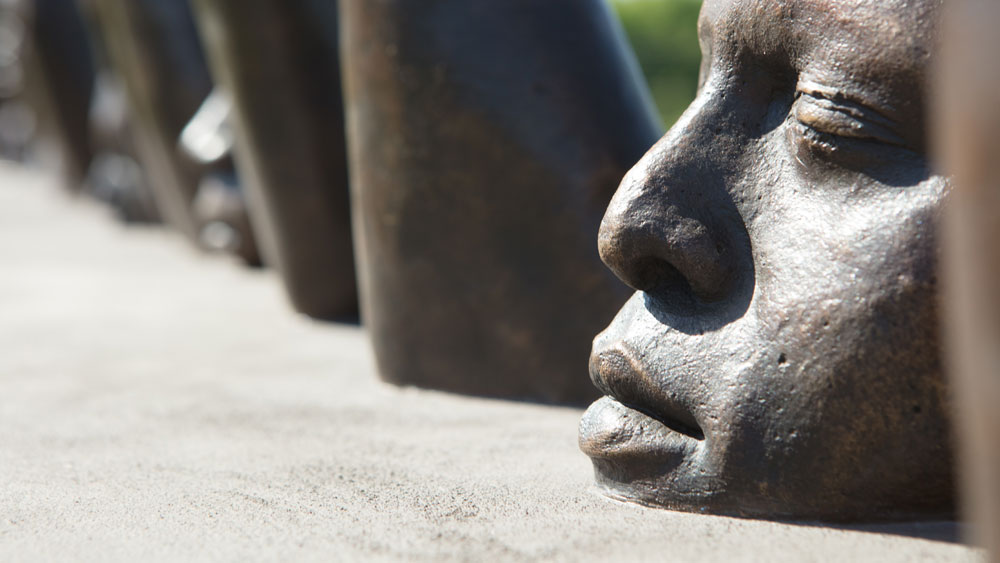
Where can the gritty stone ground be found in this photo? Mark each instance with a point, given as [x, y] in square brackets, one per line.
[163, 405]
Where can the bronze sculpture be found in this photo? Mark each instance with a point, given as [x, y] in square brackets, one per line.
[780, 357]
[154, 48]
[278, 60]
[17, 117]
[60, 82]
[485, 140]
[219, 207]
[115, 176]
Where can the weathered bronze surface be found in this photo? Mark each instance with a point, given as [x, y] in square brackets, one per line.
[278, 61]
[486, 139]
[781, 355]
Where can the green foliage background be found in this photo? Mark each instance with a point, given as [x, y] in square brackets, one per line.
[664, 34]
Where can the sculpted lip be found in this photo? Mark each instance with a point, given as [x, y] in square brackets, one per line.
[610, 430]
[617, 374]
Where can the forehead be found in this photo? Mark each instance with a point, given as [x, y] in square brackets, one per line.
[873, 44]
[807, 21]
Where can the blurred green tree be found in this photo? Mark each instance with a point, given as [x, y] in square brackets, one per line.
[664, 34]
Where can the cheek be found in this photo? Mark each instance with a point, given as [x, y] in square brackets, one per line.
[833, 383]
[841, 292]
[823, 253]
[844, 303]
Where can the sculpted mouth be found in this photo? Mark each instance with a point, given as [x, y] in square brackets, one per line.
[618, 375]
[690, 430]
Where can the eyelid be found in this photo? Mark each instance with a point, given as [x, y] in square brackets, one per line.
[829, 111]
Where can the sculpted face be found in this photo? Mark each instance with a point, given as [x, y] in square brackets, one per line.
[780, 356]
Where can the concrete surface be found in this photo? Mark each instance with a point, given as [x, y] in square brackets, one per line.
[160, 405]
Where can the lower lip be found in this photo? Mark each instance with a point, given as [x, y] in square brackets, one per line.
[610, 430]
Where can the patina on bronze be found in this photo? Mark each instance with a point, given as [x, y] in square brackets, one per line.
[781, 356]
[486, 139]
[278, 61]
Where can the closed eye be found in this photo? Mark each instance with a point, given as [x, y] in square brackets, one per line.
[836, 115]
[827, 117]
[829, 127]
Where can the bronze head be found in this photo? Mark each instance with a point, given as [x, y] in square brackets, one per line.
[780, 357]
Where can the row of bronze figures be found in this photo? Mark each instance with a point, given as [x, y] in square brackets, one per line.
[780, 356]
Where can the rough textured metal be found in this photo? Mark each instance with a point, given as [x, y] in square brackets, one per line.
[278, 61]
[486, 138]
[781, 356]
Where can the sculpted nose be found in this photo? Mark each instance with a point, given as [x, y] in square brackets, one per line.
[659, 236]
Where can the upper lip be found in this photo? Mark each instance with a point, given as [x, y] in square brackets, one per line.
[618, 374]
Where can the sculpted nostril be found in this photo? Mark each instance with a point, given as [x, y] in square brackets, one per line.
[671, 255]
[657, 274]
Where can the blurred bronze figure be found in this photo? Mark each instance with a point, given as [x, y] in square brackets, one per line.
[486, 139]
[219, 207]
[61, 82]
[278, 61]
[155, 49]
[18, 119]
[781, 357]
[115, 176]
[968, 144]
